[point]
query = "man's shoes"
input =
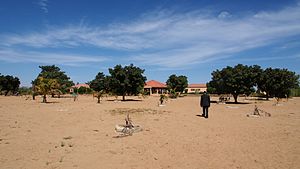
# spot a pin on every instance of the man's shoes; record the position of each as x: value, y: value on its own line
x: 203, y: 115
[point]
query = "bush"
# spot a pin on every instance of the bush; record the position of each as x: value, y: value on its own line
x: 25, y: 90
x: 84, y: 90
x: 295, y: 92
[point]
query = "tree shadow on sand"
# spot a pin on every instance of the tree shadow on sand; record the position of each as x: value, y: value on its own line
x: 50, y: 102
x: 127, y: 100
x: 237, y: 103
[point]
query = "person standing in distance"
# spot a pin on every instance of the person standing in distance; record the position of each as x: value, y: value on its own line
x: 205, y: 103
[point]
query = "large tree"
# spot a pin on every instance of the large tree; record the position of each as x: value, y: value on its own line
x: 46, y: 86
x: 237, y: 80
x: 9, y: 84
x: 277, y: 82
x: 128, y: 80
x: 101, y: 82
x: 54, y: 72
x: 177, y: 83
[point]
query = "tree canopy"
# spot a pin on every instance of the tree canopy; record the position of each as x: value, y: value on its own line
x: 9, y: 84
x: 234, y: 80
x: 278, y: 82
x: 101, y: 82
x: 54, y: 72
x: 243, y: 79
x: 177, y: 83
x: 128, y: 80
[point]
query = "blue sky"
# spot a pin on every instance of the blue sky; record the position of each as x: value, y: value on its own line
x: 164, y: 37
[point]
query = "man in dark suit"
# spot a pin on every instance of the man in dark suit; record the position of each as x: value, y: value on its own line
x: 205, y: 103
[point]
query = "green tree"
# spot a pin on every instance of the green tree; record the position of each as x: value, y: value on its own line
x: 9, y: 84
x: 177, y: 83
x: 278, y: 82
x: 82, y: 90
x: 234, y: 80
x: 128, y: 80
x: 46, y: 86
x: 54, y: 72
x: 101, y: 82
x: 100, y: 85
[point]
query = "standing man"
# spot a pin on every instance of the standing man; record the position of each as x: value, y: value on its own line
x: 205, y: 103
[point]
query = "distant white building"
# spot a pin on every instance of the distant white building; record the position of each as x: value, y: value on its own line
x: 196, y: 88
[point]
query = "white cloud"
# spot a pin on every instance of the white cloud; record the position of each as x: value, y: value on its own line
x: 48, y: 58
x: 224, y: 14
x: 172, y: 39
x: 43, y: 5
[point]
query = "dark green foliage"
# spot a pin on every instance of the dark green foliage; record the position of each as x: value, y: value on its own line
x: 177, y: 83
x: 25, y: 90
x: 83, y: 90
x: 234, y: 80
x: 54, y: 72
x: 278, y: 82
x: 9, y: 84
x: 242, y: 80
x: 101, y: 82
x: 295, y: 92
x: 128, y: 80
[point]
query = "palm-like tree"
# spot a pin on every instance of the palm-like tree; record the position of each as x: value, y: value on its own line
x: 46, y: 86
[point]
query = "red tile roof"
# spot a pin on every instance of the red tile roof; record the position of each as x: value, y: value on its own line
x: 197, y: 86
x: 155, y: 84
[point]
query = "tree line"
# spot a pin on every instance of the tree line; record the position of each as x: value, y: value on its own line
x: 243, y: 79
x: 121, y: 81
x: 130, y: 80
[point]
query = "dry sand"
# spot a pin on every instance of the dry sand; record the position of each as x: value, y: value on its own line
x: 65, y: 134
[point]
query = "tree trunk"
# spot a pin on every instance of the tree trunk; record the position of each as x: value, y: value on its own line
x: 33, y: 96
x: 123, y: 97
x: 44, y: 99
x: 98, y: 99
x: 235, y: 96
x: 267, y: 96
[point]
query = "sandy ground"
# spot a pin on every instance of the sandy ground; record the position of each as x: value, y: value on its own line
x: 65, y: 134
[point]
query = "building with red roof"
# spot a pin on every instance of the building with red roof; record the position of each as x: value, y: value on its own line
x: 154, y: 87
